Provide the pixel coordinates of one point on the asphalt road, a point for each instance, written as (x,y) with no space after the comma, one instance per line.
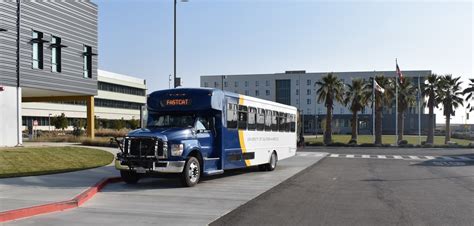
(343,191)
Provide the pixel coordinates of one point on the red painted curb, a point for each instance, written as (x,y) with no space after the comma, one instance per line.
(57,206)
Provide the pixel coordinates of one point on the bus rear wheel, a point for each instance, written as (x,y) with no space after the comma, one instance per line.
(191,173)
(271,165)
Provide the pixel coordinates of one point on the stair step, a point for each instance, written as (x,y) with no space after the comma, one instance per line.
(213,172)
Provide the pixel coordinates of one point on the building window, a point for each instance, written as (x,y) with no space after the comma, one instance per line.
(246,83)
(246,92)
(236,84)
(308,82)
(267,83)
(37,53)
(297,82)
(256,83)
(216,84)
(87,57)
(120,89)
(297,101)
(55,54)
(308,92)
(206,85)
(297,92)
(308,101)
(267,92)
(225,84)
(257,93)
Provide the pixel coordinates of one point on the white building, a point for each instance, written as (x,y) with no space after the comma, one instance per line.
(118,96)
(297,88)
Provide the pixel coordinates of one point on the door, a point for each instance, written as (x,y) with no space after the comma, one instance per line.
(205,136)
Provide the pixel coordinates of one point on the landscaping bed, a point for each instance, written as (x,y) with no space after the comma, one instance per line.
(29,161)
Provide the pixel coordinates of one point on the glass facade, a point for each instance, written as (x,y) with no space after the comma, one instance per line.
(283,91)
(121,89)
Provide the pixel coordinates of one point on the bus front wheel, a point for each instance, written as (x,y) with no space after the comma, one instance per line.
(129,177)
(191,173)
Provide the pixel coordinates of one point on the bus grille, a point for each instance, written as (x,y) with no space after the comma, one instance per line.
(144,147)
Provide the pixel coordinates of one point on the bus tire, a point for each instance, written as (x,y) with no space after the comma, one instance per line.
(271,165)
(129,177)
(191,172)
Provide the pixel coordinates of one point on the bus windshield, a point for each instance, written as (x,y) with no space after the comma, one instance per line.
(168,121)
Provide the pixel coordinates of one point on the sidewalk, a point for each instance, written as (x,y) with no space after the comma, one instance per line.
(22,192)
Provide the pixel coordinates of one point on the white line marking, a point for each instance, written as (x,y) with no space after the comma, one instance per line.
(430,157)
(366,156)
(381,156)
(414,157)
(334,155)
(397,157)
(349,156)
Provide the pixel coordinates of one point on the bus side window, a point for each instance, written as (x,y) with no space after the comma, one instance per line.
(293,123)
(231,116)
(288,122)
(251,118)
(281,122)
(260,119)
(268,120)
(243,114)
(274,121)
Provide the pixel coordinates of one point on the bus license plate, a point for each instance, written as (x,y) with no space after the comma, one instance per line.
(140,170)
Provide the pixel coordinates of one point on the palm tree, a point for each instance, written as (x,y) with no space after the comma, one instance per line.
(470,95)
(381,100)
(406,99)
(430,90)
(330,89)
(357,97)
(450,96)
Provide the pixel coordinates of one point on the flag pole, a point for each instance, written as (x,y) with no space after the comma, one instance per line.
(373,108)
(419,109)
(396,105)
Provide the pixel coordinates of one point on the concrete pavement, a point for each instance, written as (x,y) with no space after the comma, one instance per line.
(162,201)
(368,191)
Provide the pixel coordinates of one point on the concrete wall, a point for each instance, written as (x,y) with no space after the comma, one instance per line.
(8,114)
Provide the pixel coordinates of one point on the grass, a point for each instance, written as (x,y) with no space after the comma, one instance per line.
(386,139)
(17,162)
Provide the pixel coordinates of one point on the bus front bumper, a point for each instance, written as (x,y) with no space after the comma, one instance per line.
(159,167)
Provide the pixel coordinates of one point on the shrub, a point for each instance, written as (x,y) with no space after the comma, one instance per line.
(101,142)
(317,143)
(403,142)
(367,145)
(352,142)
(337,144)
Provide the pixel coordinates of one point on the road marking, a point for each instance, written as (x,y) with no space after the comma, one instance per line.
(405,157)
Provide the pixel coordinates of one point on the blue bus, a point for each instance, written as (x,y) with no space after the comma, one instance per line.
(198,131)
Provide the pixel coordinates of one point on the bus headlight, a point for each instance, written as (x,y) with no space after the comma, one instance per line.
(177,149)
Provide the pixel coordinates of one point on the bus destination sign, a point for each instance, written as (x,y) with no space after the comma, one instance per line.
(177,102)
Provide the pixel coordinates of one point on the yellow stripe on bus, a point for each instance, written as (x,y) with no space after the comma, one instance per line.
(241,136)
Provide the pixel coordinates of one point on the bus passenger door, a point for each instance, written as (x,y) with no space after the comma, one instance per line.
(206,138)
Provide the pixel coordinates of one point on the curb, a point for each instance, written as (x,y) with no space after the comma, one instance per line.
(58,206)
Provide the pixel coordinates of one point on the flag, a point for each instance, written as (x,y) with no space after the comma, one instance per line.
(378,87)
(399,73)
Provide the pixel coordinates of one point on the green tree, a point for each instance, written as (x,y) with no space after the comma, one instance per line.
(78,125)
(430,90)
(406,99)
(118,124)
(381,100)
(450,95)
(470,95)
(357,96)
(134,123)
(59,122)
(330,89)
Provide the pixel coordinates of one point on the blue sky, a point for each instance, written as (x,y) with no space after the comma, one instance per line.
(263,36)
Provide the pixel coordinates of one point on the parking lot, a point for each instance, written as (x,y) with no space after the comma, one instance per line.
(163,201)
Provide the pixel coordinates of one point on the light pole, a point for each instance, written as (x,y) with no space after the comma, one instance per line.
(174,68)
(49,122)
